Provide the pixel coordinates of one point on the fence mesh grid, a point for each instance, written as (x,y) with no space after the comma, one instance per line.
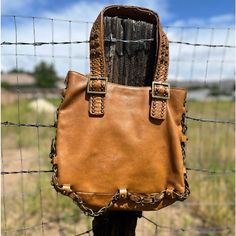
(199,57)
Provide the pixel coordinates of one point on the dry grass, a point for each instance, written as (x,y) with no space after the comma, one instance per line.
(211,204)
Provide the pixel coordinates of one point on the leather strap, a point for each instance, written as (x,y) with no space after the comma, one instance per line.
(98,64)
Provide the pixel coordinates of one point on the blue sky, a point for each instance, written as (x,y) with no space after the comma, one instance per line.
(207,65)
(192,11)
(185,9)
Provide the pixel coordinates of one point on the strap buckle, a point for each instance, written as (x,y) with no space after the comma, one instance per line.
(160,90)
(97,85)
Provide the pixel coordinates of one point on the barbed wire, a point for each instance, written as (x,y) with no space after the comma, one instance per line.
(38,125)
(42,43)
(206,171)
(114,40)
(212,172)
(202,44)
(211,120)
(25,172)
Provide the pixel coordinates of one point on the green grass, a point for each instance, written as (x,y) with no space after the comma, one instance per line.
(210,146)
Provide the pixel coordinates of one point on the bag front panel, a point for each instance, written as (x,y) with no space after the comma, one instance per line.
(124,149)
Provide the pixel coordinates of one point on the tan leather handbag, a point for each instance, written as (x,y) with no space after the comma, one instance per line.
(119,147)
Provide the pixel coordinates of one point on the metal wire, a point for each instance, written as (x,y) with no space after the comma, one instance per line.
(19,128)
(114,40)
(211,120)
(38,142)
(25,172)
(8,123)
(208,171)
(212,172)
(4,222)
(43,43)
(38,125)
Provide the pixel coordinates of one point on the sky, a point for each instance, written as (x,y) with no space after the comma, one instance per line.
(171,10)
(189,13)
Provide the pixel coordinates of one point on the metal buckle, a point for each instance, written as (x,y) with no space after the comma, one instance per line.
(97,78)
(154,83)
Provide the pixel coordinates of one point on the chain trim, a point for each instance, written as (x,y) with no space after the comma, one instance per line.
(183,147)
(77,199)
(137,198)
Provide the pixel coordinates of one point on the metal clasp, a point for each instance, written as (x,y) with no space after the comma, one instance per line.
(156,84)
(67,188)
(97,78)
(123,193)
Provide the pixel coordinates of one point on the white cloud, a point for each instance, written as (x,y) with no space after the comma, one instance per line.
(226,20)
(88,12)
(80,11)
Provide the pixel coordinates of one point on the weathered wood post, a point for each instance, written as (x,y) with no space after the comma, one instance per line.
(129,63)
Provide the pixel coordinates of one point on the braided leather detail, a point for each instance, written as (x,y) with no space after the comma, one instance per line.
(163,57)
(98,68)
(96,105)
(158,105)
(97,65)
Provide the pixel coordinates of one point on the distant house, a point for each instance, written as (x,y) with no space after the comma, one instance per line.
(22,78)
(28,89)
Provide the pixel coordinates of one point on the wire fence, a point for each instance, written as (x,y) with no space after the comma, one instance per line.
(201,59)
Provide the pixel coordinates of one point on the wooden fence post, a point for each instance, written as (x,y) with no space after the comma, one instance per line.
(129,63)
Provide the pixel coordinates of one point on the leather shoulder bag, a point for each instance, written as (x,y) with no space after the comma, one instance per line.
(120,147)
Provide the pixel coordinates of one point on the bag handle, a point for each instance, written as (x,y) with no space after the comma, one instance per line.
(98,69)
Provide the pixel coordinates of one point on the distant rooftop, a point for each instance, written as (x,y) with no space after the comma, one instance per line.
(23,78)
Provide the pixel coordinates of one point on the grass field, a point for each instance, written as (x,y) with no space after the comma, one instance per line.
(211,204)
